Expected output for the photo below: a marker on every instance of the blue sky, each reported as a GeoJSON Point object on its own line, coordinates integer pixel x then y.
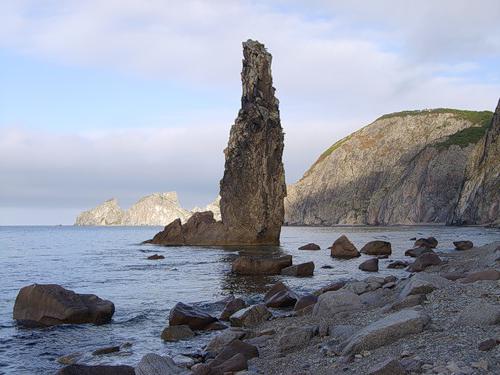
{"type": "Point", "coordinates": [124, 98]}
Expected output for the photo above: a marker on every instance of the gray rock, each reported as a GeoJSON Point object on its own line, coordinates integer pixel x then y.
{"type": "Point", "coordinates": [331, 303]}
{"type": "Point", "coordinates": [463, 245]}
{"type": "Point", "coordinates": [386, 330]}
{"type": "Point", "coordinates": [295, 337]}
{"type": "Point", "coordinates": [250, 316]}
{"type": "Point", "coordinates": [480, 313]}
{"type": "Point", "coordinates": [423, 261]}
{"type": "Point", "coordinates": [487, 274]}
{"type": "Point", "coordinates": [417, 251]}
{"type": "Point", "coordinates": [305, 301]}
{"type": "Point", "coordinates": [154, 364]}
{"type": "Point", "coordinates": [360, 287]}
{"type": "Point", "coordinates": [489, 344]}
{"type": "Point", "coordinates": [423, 283]}
{"type": "Point", "coordinates": [195, 318]}
{"type": "Point", "coordinates": [389, 367]}
{"type": "Point", "coordinates": [406, 302]}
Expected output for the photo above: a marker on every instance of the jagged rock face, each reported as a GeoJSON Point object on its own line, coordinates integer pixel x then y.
{"type": "Point", "coordinates": [404, 168]}
{"type": "Point", "coordinates": [480, 195]}
{"type": "Point", "coordinates": [108, 213]}
{"type": "Point", "coordinates": [214, 207]}
{"type": "Point", "coordinates": [253, 187]}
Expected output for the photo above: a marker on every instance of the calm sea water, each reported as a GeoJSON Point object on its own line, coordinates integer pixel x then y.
{"type": "Point", "coordinates": [110, 262]}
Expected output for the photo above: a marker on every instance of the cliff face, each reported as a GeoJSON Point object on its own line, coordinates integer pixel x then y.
{"type": "Point", "coordinates": [253, 186]}
{"type": "Point", "coordinates": [108, 213]}
{"type": "Point", "coordinates": [479, 201]}
{"type": "Point", "coordinates": [404, 168]}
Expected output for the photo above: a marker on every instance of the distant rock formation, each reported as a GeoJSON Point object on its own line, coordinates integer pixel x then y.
{"type": "Point", "coordinates": [404, 168]}
{"type": "Point", "coordinates": [154, 209]}
{"type": "Point", "coordinates": [253, 187]}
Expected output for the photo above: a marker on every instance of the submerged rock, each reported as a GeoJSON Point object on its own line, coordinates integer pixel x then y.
{"type": "Point", "coordinates": [245, 265]}
{"type": "Point", "coordinates": [97, 370]}
{"type": "Point", "coordinates": [310, 246]}
{"type": "Point", "coordinates": [253, 186]}
{"type": "Point", "coordinates": [51, 304]}
{"type": "Point", "coordinates": [176, 333]}
{"type": "Point", "coordinates": [463, 245]}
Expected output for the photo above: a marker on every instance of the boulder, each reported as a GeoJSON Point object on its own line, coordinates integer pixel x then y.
{"type": "Point", "coordinates": [154, 364]}
{"type": "Point", "coordinates": [343, 248]}
{"type": "Point", "coordinates": [304, 301]}
{"type": "Point", "coordinates": [423, 283]}
{"type": "Point", "coordinates": [377, 248]}
{"type": "Point", "coordinates": [330, 287]}
{"type": "Point", "coordinates": [245, 265]}
{"type": "Point", "coordinates": [487, 274]}
{"type": "Point", "coordinates": [299, 270]}
{"type": "Point", "coordinates": [386, 331]}
{"type": "Point", "coordinates": [51, 304]}
{"type": "Point", "coordinates": [417, 251]}
{"type": "Point", "coordinates": [295, 337]}
{"type": "Point", "coordinates": [463, 245]}
{"type": "Point", "coordinates": [231, 307]}
{"type": "Point", "coordinates": [220, 341]}
{"type": "Point", "coordinates": [479, 313]}
{"type": "Point", "coordinates": [398, 264]}
{"type": "Point", "coordinates": [331, 303]}
{"type": "Point", "coordinates": [106, 350]}
{"type": "Point", "coordinates": [310, 246]}
{"type": "Point", "coordinates": [429, 242]}
{"type": "Point", "coordinates": [70, 359]}
{"type": "Point", "coordinates": [176, 333]}
{"type": "Point", "coordinates": [370, 265]}
{"type": "Point", "coordinates": [195, 318]}
{"type": "Point", "coordinates": [280, 296]}
{"type": "Point", "coordinates": [250, 316]}
{"type": "Point", "coordinates": [248, 351]}
{"type": "Point", "coordinates": [236, 363]}
{"type": "Point", "coordinates": [388, 367]}
{"type": "Point", "coordinates": [360, 287]}
{"type": "Point", "coordinates": [156, 257]}
{"type": "Point", "coordinates": [423, 261]}
{"type": "Point", "coordinates": [406, 302]}
{"type": "Point", "coordinates": [216, 326]}
{"type": "Point", "coordinates": [96, 370]}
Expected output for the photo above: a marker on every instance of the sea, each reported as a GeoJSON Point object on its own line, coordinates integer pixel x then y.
{"type": "Point", "coordinates": [112, 263]}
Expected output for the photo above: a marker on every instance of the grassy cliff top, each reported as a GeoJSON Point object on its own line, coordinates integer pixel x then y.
{"type": "Point", "coordinates": [475, 117]}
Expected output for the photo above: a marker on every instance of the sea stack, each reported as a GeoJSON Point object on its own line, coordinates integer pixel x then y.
{"type": "Point", "coordinates": [253, 187]}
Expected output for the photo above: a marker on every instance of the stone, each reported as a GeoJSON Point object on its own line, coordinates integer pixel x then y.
{"type": "Point", "coordinates": [299, 270]}
{"type": "Point", "coordinates": [370, 265]}
{"type": "Point", "coordinates": [182, 314]}
{"type": "Point", "coordinates": [177, 333]}
{"type": "Point", "coordinates": [220, 341]}
{"type": "Point", "coordinates": [398, 264]}
{"type": "Point", "coordinates": [376, 298]}
{"type": "Point", "coordinates": [294, 337]}
{"type": "Point", "coordinates": [231, 307]}
{"type": "Point", "coordinates": [96, 370]}
{"type": "Point", "coordinates": [106, 350]}
{"type": "Point", "coordinates": [310, 246]}
{"type": "Point", "coordinates": [406, 302]}
{"type": "Point", "coordinates": [248, 351]}
{"type": "Point", "coordinates": [50, 304]}
{"type": "Point", "coordinates": [250, 316]}
{"type": "Point", "coordinates": [331, 287]}
{"type": "Point", "coordinates": [237, 362]}
{"type": "Point", "coordinates": [331, 303]}
{"type": "Point", "coordinates": [216, 326]}
{"type": "Point", "coordinates": [280, 296]}
{"type": "Point", "coordinates": [417, 251]}
{"type": "Point", "coordinates": [360, 287]}
{"type": "Point", "coordinates": [183, 360]}
{"type": "Point", "coordinates": [423, 261]}
{"type": "Point", "coordinates": [155, 257]}
{"type": "Point", "coordinates": [479, 313]}
{"type": "Point", "coordinates": [245, 265]}
{"type": "Point", "coordinates": [429, 242]}
{"type": "Point", "coordinates": [386, 331]}
{"type": "Point", "coordinates": [423, 283]}
{"type": "Point", "coordinates": [453, 276]}
{"type": "Point", "coordinates": [487, 274]}
{"type": "Point", "coordinates": [154, 364]}
{"type": "Point", "coordinates": [377, 248]}
{"type": "Point", "coordinates": [488, 344]}
{"type": "Point", "coordinates": [304, 301]}
{"type": "Point", "coordinates": [344, 249]}
{"type": "Point", "coordinates": [388, 367]}
{"type": "Point", "coordinates": [69, 359]}
{"type": "Point", "coordinates": [253, 187]}
{"type": "Point", "coordinates": [463, 245]}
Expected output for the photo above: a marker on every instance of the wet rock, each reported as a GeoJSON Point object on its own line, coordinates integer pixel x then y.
{"type": "Point", "coordinates": [231, 307]}
{"type": "Point", "coordinates": [463, 245]}
{"type": "Point", "coordinates": [423, 261]}
{"type": "Point", "coordinates": [388, 367]}
{"type": "Point", "coordinates": [370, 265]}
{"type": "Point", "coordinates": [280, 296]}
{"type": "Point", "coordinates": [107, 350]}
{"type": "Point", "coordinates": [417, 251]}
{"type": "Point", "coordinates": [343, 248]}
{"type": "Point", "coordinates": [154, 364]}
{"type": "Point", "coordinates": [183, 360]}
{"type": "Point", "coordinates": [295, 337]}
{"type": "Point", "coordinates": [69, 359]}
{"type": "Point", "coordinates": [377, 248]}
{"type": "Point", "coordinates": [96, 370]}
{"type": "Point", "coordinates": [330, 287]}
{"type": "Point", "coordinates": [177, 333]}
{"type": "Point", "coordinates": [429, 242]}
{"type": "Point", "coordinates": [195, 318]}
{"type": "Point", "coordinates": [245, 265]}
{"type": "Point", "coordinates": [327, 267]}
{"type": "Point", "coordinates": [398, 264]}
{"type": "Point", "coordinates": [299, 270]}
{"type": "Point", "coordinates": [156, 257]}
{"type": "Point", "coordinates": [304, 301]}
{"type": "Point", "coordinates": [488, 274]}
{"type": "Point", "coordinates": [51, 304]}
{"type": "Point", "coordinates": [488, 344]}
{"type": "Point", "coordinates": [310, 246]}
{"type": "Point", "coordinates": [331, 303]}
{"type": "Point", "coordinates": [386, 331]}
{"type": "Point", "coordinates": [480, 313]}
{"type": "Point", "coordinates": [250, 316]}
{"type": "Point", "coordinates": [423, 283]}
{"type": "Point", "coordinates": [222, 340]}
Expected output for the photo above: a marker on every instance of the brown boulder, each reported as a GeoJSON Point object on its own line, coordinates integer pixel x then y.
{"type": "Point", "coordinates": [236, 363]}
{"type": "Point", "coordinates": [463, 245]}
{"type": "Point", "coordinates": [377, 248]}
{"type": "Point", "coordinates": [330, 287]}
{"type": "Point", "coordinates": [245, 265]}
{"type": "Point", "coordinates": [106, 350]}
{"type": "Point", "coordinates": [299, 270]}
{"type": "Point", "coordinates": [417, 251]}
{"type": "Point", "coordinates": [488, 274]}
{"type": "Point", "coordinates": [370, 265]}
{"type": "Point", "coordinates": [429, 242]}
{"type": "Point", "coordinates": [195, 318]}
{"type": "Point", "coordinates": [310, 246]}
{"type": "Point", "coordinates": [423, 261]}
{"type": "Point", "coordinates": [231, 307]}
{"type": "Point", "coordinates": [96, 370]}
{"type": "Point", "coordinates": [343, 248]}
{"type": "Point", "coordinates": [51, 304]}
{"type": "Point", "coordinates": [250, 316]}
{"type": "Point", "coordinates": [398, 264]}
{"type": "Point", "coordinates": [176, 333]}
{"type": "Point", "coordinates": [305, 301]}
{"type": "Point", "coordinates": [155, 257]}
{"type": "Point", "coordinates": [280, 296]}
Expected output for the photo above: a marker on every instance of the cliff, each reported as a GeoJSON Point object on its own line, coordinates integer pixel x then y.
{"type": "Point", "coordinates": [108, 213]}
{"type": "Point", "coordinates": [404, 168]}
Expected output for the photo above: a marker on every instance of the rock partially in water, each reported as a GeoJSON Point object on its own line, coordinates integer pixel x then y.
{"type": "Point", "coordinates": [156, 257]}
{"type": "Point", "coordinates": [423, 261]}
{"type": "Point", "coordinates": [232, 307]}
{"type": "Point", "coordinates": [343, 248]}
{"type": "Point", "coordinates": [106, 350]}
{"type": "Point", "coordinates": [310, 246]}
{"type": "Point", "coordinates": [417, 251]}
{"type": "Point", "coordinates": [280, 296]}
{"type": "Point", "coordinates": [463, 245]}
{"type": "Point", "coordinates": [195, 318]}
{"type": "Point", "coordinates": [429, 242]}
{"type": "Point", "coordinates": [397, 264]}
{"type": "Point", "coordinates": [305, 301]}
{"type": "Point", "coordinates": [370, 265]}
{"type": "Point", "coordinates": [250, 316]}
{"type": "Point", "coordinates": [377, 248]}
{"type": "Point", "coordinates": [299, 270]}
{"type": "Point", "coordinates": [51, 304]}
{"type": "Point", "coordinates": [154, 364]}
{"type": "Point", "coordinates": [176, 333]}
{"type": "Point", "coordinates": [246, 265]}
{"type": "Point", "coordinates": [97, 370]}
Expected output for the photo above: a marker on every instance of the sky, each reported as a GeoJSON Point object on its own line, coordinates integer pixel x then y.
{"type": "Point", "coordinates": [123, 98]}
